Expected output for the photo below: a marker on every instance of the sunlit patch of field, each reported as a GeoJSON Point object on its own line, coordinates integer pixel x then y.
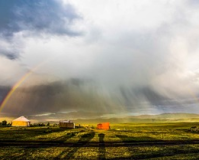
{"type": "Point", "coordinates": [191, 156]}
{"type": "Point", "coordinates": [121, 133]}
{"type": "Point", "coordinates": [152, 152]}
{"type": "Point", "coordinates": [30, 153]}
{"type": "Point", "coordinates": [154, 131]}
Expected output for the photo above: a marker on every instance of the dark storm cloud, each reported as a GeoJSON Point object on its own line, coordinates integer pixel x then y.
{"type": "Point", "coordinates": [75, 95]}
{"type": "Point", "coordinates": [41, 16]}
{"type": "Point", "coordinates": [3, 92]}
{"type": "Point", "coordinates": [151, 95]}
{"type": "Point", "coordinates": [78, 98]}
{"type": "Point", "coordinates": [36, 16]}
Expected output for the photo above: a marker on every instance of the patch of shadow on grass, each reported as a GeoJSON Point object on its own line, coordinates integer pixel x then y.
{"type": "Point", "coordinates": [126, 139]}
{"type": "Point", "coordinates": [102, 150]}
{"type": "Point", "coordinates": [82, 141]}
{"type": "Point", "coordinates": [15, 133]}
{"type": "Point", "coordinates": [66, 136]}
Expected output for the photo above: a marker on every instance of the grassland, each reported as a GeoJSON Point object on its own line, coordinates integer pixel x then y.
{"type": "Point", "coordinates": [123, 141]}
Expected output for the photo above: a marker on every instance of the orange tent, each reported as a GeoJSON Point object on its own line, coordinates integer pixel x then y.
{"type": "Point", "coordinates": [104, 126]}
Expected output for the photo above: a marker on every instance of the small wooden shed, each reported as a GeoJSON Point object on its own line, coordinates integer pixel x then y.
{"type": "Point", "coordinates": [67, 124]}
{"type": "Point", "coordinates": [104, 126]}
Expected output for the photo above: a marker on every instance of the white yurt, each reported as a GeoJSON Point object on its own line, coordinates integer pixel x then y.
{"type": "Point", "coordinates": [21, 122]}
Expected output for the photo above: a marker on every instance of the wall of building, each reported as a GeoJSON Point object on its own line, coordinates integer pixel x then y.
{"type": "Point", "coordinates": [67, 125]}
{"type": "Point", "coordinates": [20, 123]}
{"type": "Point", "coordinates": [104, 126]}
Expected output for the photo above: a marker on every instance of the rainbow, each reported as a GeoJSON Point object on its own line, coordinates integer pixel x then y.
{"type": "Point", "coordinates": [18, 83]}
{"type": "Point", "coordinates": [13, 89]}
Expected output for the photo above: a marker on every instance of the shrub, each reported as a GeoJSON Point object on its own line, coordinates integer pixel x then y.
{"type": "Point", "coordinates": [48, 131]}
{"type": "Point", "coordinates": [4, 123]}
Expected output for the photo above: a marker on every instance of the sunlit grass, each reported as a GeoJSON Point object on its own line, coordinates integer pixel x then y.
{"type": "Point", "coordinates": [118, 133]}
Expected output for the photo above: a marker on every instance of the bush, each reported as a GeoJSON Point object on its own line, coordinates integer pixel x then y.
{"type": "Point", "coordinates": [4, 123]}
{"type": "Point", "coordinates": [9, 124]}
{"type": "Point", "coordinates": [37, 125]}
{"type": "Point", "coordinates": [55, 125]}
{"type": "Point", "coordinates": [48, 131]}
{"type": "Point", "coordinates": [79, 126]}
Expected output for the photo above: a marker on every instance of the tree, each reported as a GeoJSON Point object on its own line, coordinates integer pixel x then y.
{"type": "Point", "coordinates": [4, 123]}
{"type": "Point", "coordinates": [48, 124]}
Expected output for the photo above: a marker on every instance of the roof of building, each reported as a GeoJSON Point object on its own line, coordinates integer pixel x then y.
{"type": "Point", "coordinates": [66, 121]}
{"type": "Point", "coordinates": [22, 118]}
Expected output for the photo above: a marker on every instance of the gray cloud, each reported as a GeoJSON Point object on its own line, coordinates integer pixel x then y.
{"type": "Point", "coordinates": [40, 16]}
{"type": "Point", "coordinates": [78, 98]}
{"type": "Point", "coordinates": [3, 92]}
{"type": "Point", "coordinates": [10, 55]}
{"type": "Point", "coordinates": [76, 95]}
{"type": "Point", "coordinates": [142, 66]}
{"type": "Point", "coordinates": [36, 17]}
{"type": "Point", "coordinates": [9, 51]}
{"type": "Point", "coordinates": [193, 3]}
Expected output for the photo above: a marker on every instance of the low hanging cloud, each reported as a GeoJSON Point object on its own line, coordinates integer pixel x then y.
{"type": "Point", "coordinates": [59, 97]}
{"type": "Point", "coordinates": [78, 98]}
{"type": "Point", "coordinates": [35, 18]}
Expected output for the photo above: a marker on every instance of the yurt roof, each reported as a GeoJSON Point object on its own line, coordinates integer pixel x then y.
{"type": "Point", "coordinates": [22, 118]}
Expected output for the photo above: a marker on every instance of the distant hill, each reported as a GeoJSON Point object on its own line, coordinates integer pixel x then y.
{"type": "Point", "coordinates": [185, 117]}
{"type": "Point", "coordinates": [165, 117]}
{"type": "Point", "coordinates": [169, 116]}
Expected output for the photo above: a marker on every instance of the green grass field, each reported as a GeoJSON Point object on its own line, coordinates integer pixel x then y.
{"type": "Point", "coordinates": [136, 141]}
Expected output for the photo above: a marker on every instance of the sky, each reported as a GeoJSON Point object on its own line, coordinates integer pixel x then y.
{"type": "Point", "coordinates": [70, 59]}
